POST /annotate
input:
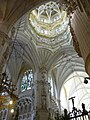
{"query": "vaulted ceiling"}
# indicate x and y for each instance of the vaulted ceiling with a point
(32, 50)
(12, 10)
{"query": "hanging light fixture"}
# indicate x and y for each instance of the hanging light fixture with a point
(7, 87)
(6, 93)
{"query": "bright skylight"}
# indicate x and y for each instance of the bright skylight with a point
(49, 20)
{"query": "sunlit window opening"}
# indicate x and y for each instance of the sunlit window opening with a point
(49, 20)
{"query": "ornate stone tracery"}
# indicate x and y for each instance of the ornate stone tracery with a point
(42, 84)
(23, 109)
(48, 19)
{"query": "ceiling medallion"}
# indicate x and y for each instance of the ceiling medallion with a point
(49, 23)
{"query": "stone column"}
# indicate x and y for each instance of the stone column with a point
(81, 26)
(59, 104)
(42, 95)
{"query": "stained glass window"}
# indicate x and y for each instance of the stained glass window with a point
(27, 80)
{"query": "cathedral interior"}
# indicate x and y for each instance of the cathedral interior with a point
(44, 59)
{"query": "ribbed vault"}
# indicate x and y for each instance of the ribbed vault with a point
(31, 50)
